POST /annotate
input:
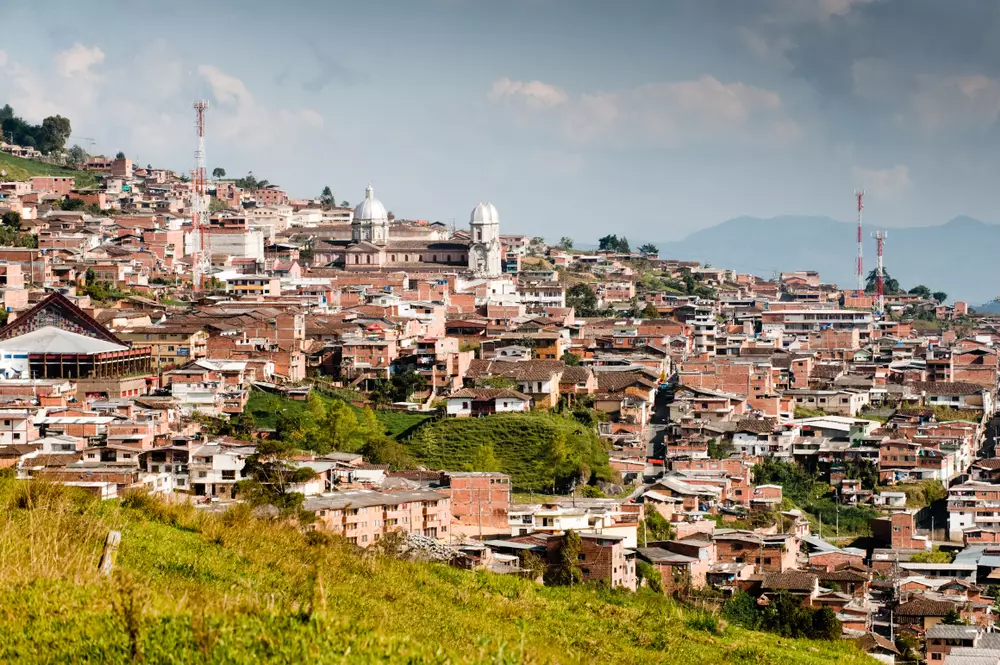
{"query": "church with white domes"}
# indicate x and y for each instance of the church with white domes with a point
(373, 247)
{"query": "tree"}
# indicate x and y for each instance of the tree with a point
(54, 132)
(607, 243)
(327, 198)
(483, 459)
(825, 625)
(648, 576)
(76, 156)
(72, 204)
(656, 527)
(889, 284)
(920, 290)
(952, 618)
(120, 155)
(571, 359)
(567, 571)
(218, 172)
(940, 296)
(650, 311)
(649, 249)
(566, 242)
(345, 204)
(864, 470)
(215, 205)
(271, 477)
(934, 556)
(582, 299)
(720, 450)
(12, 220)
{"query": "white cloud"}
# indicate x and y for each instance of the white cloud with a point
(770, 50)
(226, 89)
(828, 8)
(78, 60)
(306, 117)
(957, 102)
(3, 57)
(669, 113)
(887, 183)
(237, 114)
(533, 93)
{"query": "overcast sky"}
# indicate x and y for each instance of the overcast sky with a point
(574, 117)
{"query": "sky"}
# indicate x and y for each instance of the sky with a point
(646, 118)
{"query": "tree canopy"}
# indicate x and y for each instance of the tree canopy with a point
(76, 156)
(327, 198)
(48, 137)
(889, 283)
(612, 243)
(649, 249)
(218, 172)
(581, 297)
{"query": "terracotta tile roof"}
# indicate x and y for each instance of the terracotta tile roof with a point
(947, 387)
(790, 581)
(618, 381)
(923, 607)
(574, 374)
(526, 370)
(756, 425)
(488, 393)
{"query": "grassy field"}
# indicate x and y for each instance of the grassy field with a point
(22, 169)
(189, 587)
(534, 448)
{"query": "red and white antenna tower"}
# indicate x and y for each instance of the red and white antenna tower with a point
(880, 237)
(199, 203)
(860, 195)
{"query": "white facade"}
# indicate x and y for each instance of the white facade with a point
(247, 245)
(371, 221)
(484, 241)
(462, 406)
(204, 397)
(704, 331)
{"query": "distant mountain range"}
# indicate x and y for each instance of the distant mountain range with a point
(958, 257)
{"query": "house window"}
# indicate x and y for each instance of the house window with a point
(581, 557)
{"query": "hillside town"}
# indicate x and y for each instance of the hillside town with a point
(494, 400)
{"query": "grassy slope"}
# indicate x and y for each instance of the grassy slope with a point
(521, 443)
(22, 169)
(265, 408)
(228, 588)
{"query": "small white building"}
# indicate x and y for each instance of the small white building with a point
(486, 401)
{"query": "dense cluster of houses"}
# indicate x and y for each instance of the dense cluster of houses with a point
(109, 394)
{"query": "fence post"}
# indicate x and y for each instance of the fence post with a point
(110, 549)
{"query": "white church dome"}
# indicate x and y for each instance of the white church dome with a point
(371, 209)
(485, 213)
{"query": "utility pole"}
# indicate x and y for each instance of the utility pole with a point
(860, 195)
(479, 501)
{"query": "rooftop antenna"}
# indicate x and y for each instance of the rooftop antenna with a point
(860, 195)
(880, 237)
(199, 207)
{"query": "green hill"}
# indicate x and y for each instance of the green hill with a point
(23, 169)
(534, 448)
(190, 587)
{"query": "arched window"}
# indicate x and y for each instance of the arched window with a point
(449, 258)
(393, 258)
(434, 258)
(368, 258)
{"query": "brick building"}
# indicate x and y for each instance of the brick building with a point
(480, 500)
